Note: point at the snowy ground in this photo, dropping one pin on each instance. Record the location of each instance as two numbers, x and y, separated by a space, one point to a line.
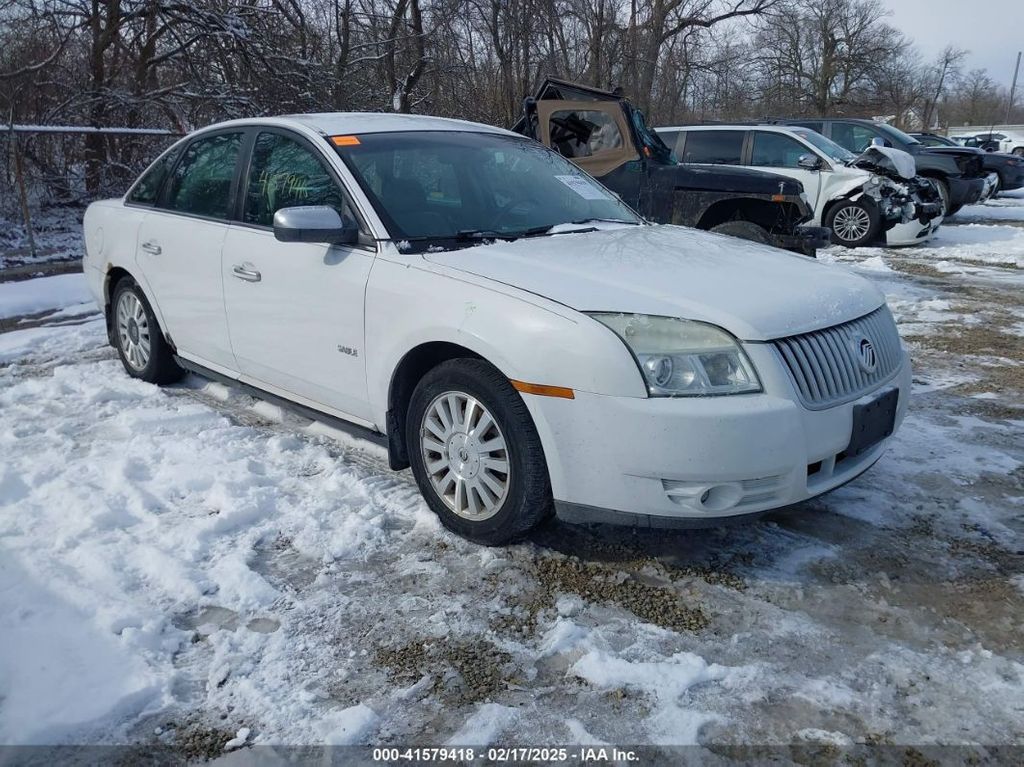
177 565
57 232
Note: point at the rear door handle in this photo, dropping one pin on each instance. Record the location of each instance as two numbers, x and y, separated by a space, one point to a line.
243 272
152 248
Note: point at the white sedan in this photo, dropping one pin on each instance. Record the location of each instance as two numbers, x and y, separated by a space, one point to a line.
509 328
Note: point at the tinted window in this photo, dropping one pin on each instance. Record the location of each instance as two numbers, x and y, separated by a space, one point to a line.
817 125
854 137
777 150
671 138
201 183
147 188
584 133
722 147
283 174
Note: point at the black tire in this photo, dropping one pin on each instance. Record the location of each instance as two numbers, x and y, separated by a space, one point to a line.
954 210
943 189
745 230
528 499
844 210
160 367
998 187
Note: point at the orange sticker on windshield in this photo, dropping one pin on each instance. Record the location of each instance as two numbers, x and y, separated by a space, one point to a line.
345 140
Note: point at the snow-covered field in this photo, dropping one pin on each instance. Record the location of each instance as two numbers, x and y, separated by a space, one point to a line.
185 565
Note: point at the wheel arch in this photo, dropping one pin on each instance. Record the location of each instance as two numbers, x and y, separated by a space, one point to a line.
764 213
113 276
411 368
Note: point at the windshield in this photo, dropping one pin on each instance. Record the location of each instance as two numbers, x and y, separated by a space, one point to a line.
826 145
454 188
895 134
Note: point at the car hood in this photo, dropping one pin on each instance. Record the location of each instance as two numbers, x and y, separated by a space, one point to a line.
754 291
888 161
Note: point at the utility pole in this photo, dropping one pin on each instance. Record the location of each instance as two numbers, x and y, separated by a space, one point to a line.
1013 89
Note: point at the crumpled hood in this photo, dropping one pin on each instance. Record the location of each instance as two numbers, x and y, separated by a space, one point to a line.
754 291
892 160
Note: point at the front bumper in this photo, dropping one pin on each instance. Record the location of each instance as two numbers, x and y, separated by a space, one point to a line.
912 232
696 461
966 191
804 239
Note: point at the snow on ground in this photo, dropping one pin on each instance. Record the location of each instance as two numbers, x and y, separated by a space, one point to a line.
57 232
60 292
185 565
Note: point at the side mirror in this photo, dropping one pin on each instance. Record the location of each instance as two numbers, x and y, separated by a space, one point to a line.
314 223
809 162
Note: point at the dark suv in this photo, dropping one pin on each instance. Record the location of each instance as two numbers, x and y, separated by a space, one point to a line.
605 135
1009 168
959 175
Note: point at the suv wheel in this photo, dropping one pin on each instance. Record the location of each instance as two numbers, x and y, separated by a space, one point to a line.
137 337
854 223
745 230
475 453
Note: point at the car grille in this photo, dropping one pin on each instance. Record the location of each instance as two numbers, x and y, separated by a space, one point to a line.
832 366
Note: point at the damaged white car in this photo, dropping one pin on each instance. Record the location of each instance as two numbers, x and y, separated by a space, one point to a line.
875 198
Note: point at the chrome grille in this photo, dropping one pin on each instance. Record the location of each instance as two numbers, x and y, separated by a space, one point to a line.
827 366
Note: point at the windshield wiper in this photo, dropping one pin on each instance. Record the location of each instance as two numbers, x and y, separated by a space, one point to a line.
606 221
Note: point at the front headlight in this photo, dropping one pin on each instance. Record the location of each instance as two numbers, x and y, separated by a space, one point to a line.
683 358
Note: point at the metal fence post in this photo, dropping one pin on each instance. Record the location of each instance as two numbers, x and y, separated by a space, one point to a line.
19 174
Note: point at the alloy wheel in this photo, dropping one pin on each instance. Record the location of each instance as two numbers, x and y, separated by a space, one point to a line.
465 455
133 330
851 223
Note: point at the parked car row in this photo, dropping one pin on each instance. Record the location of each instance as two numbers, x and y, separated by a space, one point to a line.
1008 168
875 197
1007 142
504 324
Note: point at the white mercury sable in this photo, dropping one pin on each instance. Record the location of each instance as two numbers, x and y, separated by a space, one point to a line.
512 331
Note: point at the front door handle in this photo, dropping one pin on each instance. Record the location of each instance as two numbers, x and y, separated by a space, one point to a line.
243 272
152 248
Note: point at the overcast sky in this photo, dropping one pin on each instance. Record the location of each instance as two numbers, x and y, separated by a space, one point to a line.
992 30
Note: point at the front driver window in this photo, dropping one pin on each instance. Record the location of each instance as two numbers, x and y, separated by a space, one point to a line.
285 174
201 183
854 137
776 150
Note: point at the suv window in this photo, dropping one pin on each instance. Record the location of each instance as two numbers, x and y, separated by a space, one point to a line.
777 150
817 125
147 188
584 133
671 138
854 137
284 174
201 183
721 147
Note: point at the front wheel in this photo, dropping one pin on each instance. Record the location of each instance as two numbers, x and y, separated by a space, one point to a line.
745 230
476 454
138 338
854 223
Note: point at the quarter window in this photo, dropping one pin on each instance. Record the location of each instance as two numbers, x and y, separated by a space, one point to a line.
201 183
720 147
147 188
284 174
584 133
776 150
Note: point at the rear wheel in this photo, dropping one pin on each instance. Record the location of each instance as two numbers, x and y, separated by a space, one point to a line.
745 230
1019 151
854 223
137 336
476 454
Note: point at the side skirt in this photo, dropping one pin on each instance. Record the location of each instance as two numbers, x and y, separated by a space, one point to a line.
355 430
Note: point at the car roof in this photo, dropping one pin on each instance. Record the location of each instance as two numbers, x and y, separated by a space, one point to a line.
344 123
738 126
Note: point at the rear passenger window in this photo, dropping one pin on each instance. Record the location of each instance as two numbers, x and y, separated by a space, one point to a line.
147 188
721 147
201 183
584 133
671 139
776 150
284 174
